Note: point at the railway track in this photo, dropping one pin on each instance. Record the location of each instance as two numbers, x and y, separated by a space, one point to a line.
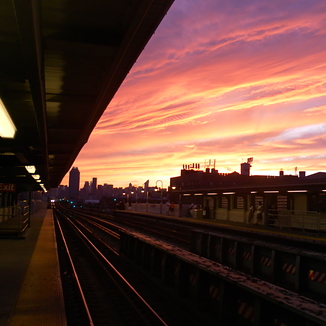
287 262
102 289
268 256
177 234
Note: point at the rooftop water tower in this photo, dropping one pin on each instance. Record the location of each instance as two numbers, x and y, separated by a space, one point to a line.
245 167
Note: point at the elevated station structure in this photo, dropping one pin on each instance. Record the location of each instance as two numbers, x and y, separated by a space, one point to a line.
290 201
62 61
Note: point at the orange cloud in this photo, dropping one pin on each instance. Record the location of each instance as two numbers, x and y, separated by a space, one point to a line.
223 80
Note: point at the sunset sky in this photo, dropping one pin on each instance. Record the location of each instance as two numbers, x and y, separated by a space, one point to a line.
223 80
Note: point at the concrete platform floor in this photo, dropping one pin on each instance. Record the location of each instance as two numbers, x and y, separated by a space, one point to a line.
30 285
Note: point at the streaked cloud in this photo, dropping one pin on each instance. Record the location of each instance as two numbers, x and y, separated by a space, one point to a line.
300 133
222 80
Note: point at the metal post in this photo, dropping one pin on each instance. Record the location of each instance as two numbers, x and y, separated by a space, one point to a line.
7 205
147 201
29 208
128 201
161 194
136 199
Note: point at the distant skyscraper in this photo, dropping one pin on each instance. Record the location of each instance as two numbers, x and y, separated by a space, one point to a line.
84 193
74 179
107 190
94 188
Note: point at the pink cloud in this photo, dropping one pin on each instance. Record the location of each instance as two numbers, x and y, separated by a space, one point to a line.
216 81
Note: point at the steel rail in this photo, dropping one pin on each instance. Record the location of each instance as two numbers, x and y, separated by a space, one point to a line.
158 230
91 323
154 313
102 228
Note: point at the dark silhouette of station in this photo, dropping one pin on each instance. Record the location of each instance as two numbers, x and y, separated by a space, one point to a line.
61 64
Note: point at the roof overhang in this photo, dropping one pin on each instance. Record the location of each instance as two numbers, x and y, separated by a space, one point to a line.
62 62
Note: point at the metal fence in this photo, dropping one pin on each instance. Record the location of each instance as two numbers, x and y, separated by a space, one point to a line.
158 208
302 220
306 221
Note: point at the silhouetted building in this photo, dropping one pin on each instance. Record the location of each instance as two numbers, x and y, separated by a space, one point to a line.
94 188
74 180
229 196
245 168
62 192
85 191
107 190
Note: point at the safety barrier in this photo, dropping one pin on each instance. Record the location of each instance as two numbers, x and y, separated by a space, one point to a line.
8 212
302 220
300 271
15 223
227 296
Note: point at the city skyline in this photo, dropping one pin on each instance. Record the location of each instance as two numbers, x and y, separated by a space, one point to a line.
93 184
218 80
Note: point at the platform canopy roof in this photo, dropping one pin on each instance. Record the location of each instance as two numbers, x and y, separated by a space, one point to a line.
61 62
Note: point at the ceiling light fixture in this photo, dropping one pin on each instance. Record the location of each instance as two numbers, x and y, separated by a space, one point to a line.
30 168
7 127
42 186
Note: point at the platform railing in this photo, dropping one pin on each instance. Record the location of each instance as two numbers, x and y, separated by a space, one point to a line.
25 218
154 208
294 219
306 221
8 212
15 220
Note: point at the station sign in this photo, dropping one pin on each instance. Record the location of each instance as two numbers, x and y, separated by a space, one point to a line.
7 187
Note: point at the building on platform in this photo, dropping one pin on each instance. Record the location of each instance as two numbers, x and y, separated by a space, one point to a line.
296 199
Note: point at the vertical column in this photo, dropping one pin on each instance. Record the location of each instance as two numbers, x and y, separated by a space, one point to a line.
299 275
29 201
1 209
